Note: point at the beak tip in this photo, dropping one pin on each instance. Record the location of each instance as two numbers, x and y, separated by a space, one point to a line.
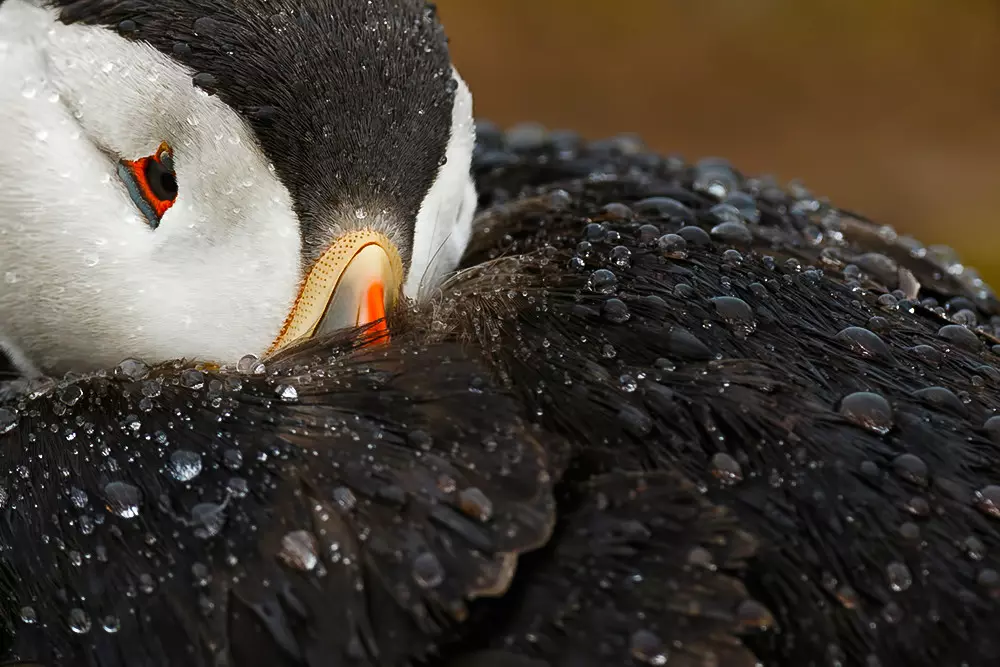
373 309
374 304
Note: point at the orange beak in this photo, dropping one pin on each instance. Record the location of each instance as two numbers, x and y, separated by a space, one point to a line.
356 281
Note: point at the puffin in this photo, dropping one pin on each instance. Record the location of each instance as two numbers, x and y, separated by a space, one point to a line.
306 368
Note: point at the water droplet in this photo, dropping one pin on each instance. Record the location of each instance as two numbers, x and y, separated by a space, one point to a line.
621 256
427 570
754 615
672 245
878 264
878 324
185 465
694 235
637 422
628 383
602 281
71 395
29 615
132 369
664 207
868 410
232 459
446 483
960 336
208 519
151 389
899 576
684 344
911 468
715 177
29 89
8 420
726 469
732 257
420 439
146 583
127 27
201 574
473 502
991 426
725 213
988 578
927 354
237 486
737 313
847 596
111 624
966 317
615 310
78 497
909 530
701 557
736 233
918 506
344 497
299 550
616 211
123 499
942 399
988 500
974 548
287 392
892 612
648 234
192 379
594 232
864 342
79 622
887 301
250 364
745 204
648 648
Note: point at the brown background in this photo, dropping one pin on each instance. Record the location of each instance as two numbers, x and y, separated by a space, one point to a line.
890 107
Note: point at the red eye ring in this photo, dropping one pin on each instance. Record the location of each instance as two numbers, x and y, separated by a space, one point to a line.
151 182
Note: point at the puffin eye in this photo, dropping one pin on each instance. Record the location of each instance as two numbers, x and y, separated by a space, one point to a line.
151 182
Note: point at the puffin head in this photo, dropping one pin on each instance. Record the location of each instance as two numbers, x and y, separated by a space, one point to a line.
209 179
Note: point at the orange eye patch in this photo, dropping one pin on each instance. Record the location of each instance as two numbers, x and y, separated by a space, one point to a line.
151 182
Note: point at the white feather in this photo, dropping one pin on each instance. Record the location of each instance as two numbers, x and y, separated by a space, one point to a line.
84 281
444 222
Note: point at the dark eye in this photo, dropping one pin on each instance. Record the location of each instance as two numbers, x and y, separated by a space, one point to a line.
151 182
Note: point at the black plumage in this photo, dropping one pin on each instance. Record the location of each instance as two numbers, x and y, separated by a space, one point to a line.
766 438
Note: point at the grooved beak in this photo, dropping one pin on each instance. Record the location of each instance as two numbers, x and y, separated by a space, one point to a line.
353 283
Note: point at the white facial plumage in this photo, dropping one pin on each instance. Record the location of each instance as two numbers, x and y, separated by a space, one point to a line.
84 280
444 222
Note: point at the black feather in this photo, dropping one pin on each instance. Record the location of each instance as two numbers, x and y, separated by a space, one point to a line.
668 453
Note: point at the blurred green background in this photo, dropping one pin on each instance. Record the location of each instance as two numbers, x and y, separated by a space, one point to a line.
890 107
